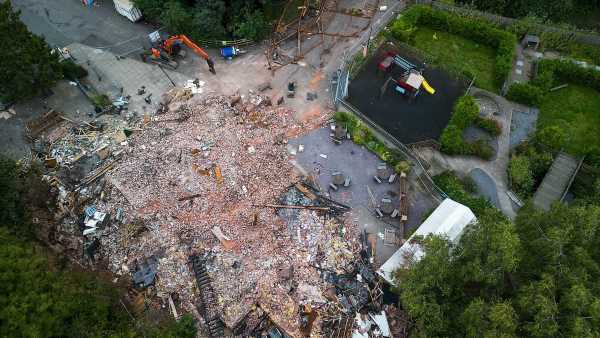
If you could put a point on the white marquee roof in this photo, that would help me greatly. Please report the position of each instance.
(449, 219)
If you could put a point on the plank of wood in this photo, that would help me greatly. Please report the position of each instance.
(218, 175)
(303, 189)
(284, 206)
(189, 197)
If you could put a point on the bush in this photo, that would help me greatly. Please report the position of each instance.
(402, 30)
(478, 30)
(521, 175)
(480, 149)
(402, 167)
(451, 140)
(72, 71)
(525, 93)
(490, 125)
(551, 137)
(465, 113)
(454, 188)
(362, 135)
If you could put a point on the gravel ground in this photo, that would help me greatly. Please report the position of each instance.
(486, 187)
(522, 125)
(487, 106)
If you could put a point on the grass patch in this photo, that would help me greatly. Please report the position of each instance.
(469, 57)
(576, 111)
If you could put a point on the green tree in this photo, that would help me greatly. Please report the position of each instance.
(39, 295)
(521, 174)
(253, 26)
(536, 277)
(11, 208)
(488, 252)
(28, 67)
(426, 288)
(481, 319)
(177, 18)
(37, 302)
(208, 20)
(152, 9)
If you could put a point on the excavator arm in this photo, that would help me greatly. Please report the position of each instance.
(168, 46)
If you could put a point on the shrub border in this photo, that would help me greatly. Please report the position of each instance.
(472, 28)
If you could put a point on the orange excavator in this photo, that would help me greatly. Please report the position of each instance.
(172, 47)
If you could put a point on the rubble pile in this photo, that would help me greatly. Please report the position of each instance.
(196, 178)
(203, 179)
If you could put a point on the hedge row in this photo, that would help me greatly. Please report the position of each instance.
(525, 93)
(478, 30)
(362, 135)
(465, 113)
(559, 40)
(552, 73)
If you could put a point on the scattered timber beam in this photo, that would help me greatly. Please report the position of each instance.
(284, 206)
(189, 197)
(303, 189)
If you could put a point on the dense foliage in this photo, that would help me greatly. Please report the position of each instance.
(478, 30)
(525, 93)
(553, 72)
(464, 114)
(537, 277)
(38, 302)
(40, 296)
(528, 165)
(28, 67)
(546, 10)
(569, 116)
(209, 19)
(555, 38)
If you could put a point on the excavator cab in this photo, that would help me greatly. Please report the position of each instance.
(173, 47)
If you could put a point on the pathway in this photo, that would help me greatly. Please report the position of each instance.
(496, 169)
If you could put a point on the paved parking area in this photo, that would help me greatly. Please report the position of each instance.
(63, 22)
(360, 165)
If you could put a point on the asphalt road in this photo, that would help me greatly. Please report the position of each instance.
(62, 22)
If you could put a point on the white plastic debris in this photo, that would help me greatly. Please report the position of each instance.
(382, 322)
(323, 155)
